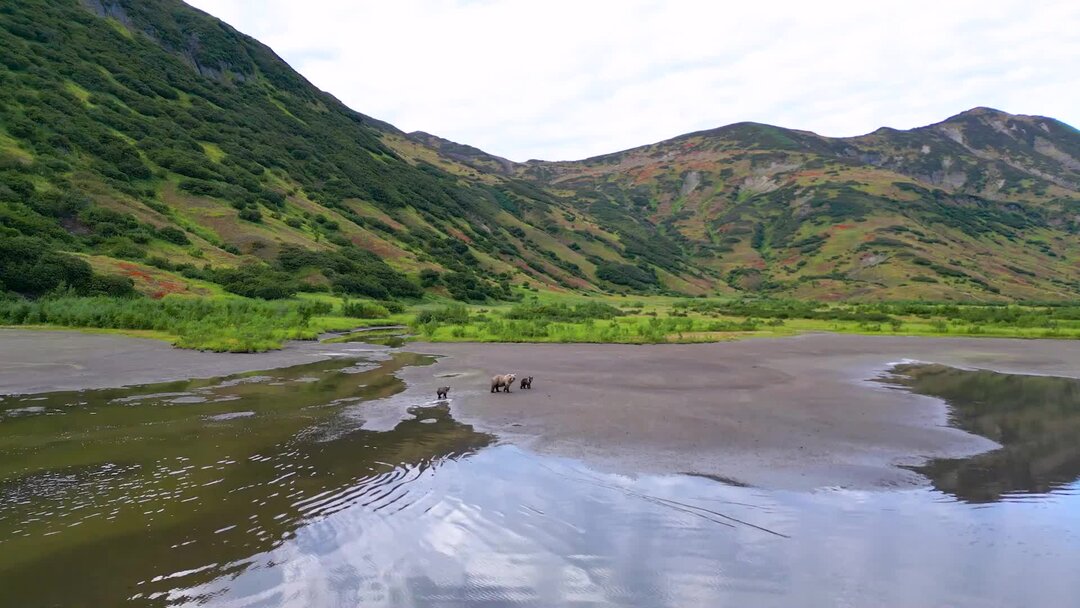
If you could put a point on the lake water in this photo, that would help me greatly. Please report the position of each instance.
(263, 489)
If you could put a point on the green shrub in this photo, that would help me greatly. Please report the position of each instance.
(29, 267)
(351, 271)
(452, 314)
(631, 276)
(364, 310)
(256, 281)
(429, 277)
(112, 285)
(173, 235)
(251, 214)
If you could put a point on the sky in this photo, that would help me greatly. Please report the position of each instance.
(569, 79)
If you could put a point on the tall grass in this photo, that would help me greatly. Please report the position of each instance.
(703, 320)
(558, 323)
(217, 324)
(244, 325)
(564, 312)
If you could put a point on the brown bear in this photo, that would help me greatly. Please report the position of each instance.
(441, 392)
(526, 382)
(502, 381)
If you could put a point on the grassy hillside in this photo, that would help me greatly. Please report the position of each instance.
(982, 206)
(149, 132)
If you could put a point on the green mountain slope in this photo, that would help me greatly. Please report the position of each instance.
(981, 206)
(148, 131)
(145, 139)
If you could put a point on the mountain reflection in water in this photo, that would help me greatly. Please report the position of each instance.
(1036, 419)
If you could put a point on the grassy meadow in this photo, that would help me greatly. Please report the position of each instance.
(633, 320)
(237, 324)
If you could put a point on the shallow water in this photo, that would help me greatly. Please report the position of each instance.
(264, 490)
(393, 337)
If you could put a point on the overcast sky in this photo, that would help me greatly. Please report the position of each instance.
(568, 79)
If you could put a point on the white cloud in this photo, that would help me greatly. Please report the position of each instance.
(566, 79)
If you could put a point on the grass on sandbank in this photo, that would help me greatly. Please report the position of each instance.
(217, 324)
(655, 320)
(239, 324)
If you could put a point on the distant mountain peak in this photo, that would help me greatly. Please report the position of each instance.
(983, 111)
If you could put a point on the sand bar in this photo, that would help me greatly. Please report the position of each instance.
(790, 413)
(35, 361)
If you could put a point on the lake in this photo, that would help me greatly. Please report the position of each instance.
(265, 489)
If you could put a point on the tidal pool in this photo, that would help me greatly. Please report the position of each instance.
(264, 489)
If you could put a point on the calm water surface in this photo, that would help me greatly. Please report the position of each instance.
(265, 490)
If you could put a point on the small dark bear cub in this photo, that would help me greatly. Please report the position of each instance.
(526, 382)
(441, 392)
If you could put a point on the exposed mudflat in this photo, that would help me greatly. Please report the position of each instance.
(344, 482)
(35, 361)
(791, 413)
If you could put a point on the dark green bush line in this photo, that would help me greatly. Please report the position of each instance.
(29, 267)
(351, 271)
(636, 277)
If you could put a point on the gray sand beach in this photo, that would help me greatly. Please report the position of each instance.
(793, 413)
(35, 361)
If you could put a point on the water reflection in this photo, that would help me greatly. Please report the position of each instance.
(124, 493)
(506, 527)
(263, 490)
(393, 337)
(1036, 419)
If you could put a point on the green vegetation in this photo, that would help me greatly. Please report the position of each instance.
(143, 133)
(240, 324)
(559, 311)
(657, 320)
(635, 277)
(154, 132)
(227, 324)
(350, 271)
(256, 281)
(29, 267)
(364, 310)
(781, 213)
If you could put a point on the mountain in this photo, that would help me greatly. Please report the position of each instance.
(464, 154)
(140, 133)
(982, 205)
(148, 140)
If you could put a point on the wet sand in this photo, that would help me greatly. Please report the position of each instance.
(35, 361)
(793, 413)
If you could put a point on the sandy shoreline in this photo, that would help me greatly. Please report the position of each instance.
(35, 361)
(793, 413)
